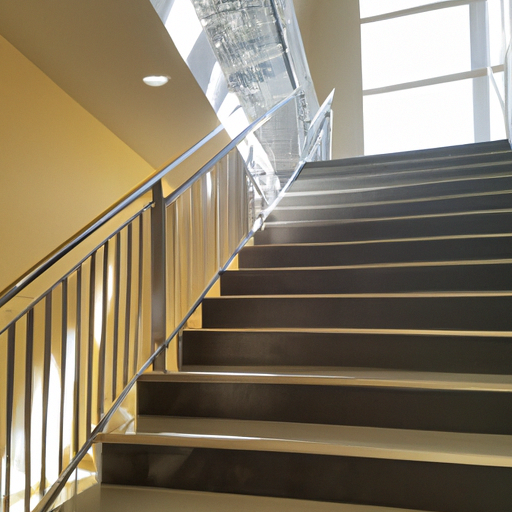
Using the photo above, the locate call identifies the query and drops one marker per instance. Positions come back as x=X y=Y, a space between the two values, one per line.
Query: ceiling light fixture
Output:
x=155 y=80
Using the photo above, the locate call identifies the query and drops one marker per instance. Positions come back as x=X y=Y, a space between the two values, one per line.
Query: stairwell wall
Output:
x=331 y=34
x=59 y=166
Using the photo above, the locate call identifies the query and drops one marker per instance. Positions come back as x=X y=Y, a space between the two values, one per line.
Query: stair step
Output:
x=117 y=498
x=435 y=249
x=464 y=312
x=314 y=376
x=403 y=400
x=401 y=177
x=392 y=192
x=355 y=480
x=426 y=446
x=469 y=203
x=458 y=276
x=387 y=229
x=348 y=167
x=448 y=152
x=439 y=352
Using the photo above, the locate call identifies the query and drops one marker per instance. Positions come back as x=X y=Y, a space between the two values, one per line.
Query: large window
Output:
x=432 y=72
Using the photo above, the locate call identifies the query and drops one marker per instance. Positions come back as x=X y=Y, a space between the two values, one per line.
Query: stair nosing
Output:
x=375 y=295
x=340 y=440
x=352 y=330
x=350 y=377
x=406 y=264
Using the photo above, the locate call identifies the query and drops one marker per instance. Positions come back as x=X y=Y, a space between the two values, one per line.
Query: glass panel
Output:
x=375 y=7
x=438 y=115
x=415 y=47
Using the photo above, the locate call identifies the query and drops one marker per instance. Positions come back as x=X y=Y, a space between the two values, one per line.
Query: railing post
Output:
x=158 y=278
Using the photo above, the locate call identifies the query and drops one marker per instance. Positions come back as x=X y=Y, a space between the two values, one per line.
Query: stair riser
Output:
x=460 y=313
x=421 y=409
x=383 y=252
x=345 y=196
x=412 y=485
x=368 y=280
x=398 y=352
x=400 y=178
x=467 y=204
x=490 y=223
x=339 y=168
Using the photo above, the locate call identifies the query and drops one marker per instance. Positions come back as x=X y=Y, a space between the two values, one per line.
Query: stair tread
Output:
x=473 y=236
x=433 y=180
x=447 y=263
x=426 y=199
x=334 y=222
x=366 y=377
x=369 y=442
x=122 y=498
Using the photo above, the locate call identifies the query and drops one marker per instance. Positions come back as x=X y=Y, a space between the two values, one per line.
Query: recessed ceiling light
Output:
x=155 y=81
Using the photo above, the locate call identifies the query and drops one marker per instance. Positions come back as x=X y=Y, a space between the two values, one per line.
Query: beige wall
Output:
x=332 y=39
x=59 y=166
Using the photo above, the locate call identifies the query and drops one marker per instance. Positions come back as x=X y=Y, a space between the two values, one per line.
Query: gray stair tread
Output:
x=422 y=154
x=343 y=206
x=441 y=249
x=408 y=277
x=489 y=222
x=405 y=264
x=363 y=192
x=335 y=222
x=123 y=498
x=399 y=208
x=390 y=179
x=367 y=377
x=341 y=440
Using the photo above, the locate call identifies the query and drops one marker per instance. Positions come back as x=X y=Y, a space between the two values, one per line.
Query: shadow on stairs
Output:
x=359 y=360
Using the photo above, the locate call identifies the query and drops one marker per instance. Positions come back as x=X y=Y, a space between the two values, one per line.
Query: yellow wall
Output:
x=59 y=166
x=332 y=40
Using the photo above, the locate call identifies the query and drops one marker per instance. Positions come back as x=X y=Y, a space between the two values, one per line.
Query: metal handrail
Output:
x=46 y=502
x=39 y=268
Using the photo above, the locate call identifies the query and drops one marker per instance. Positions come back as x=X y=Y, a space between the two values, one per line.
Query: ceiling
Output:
x=98 y=51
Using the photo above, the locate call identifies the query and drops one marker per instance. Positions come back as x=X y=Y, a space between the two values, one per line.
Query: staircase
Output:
x=360 y=358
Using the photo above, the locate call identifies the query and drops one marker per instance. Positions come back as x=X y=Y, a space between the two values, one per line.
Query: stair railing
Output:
x=69 y=360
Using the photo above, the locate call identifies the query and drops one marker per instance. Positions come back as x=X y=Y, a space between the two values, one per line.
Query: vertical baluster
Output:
x=191 y=246
x=46 y=385
x=127 y=317
x=78 y=362
x=177 y=260
x=117 y=288
x=11 y=337
x=139 y=296
x=205 y=207
x=218 y=239
x=103 y=338
x=90 y=345
x=158 y=263
x=63 y=363
x=28 y=410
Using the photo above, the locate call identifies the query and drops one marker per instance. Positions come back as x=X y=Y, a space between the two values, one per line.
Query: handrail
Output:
x=52 y=493
x=39 y=268
x=223 y=152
